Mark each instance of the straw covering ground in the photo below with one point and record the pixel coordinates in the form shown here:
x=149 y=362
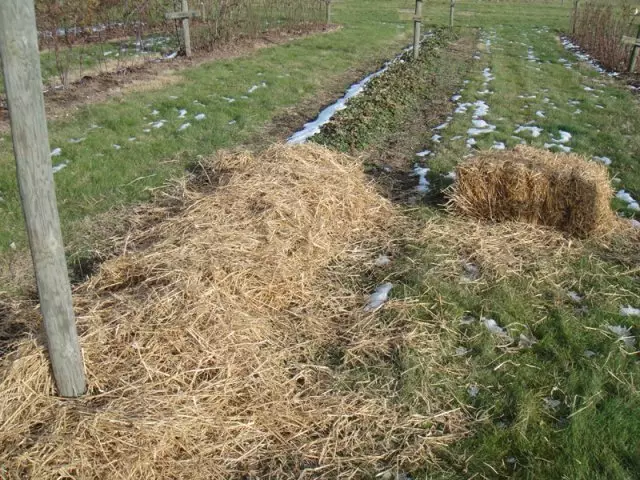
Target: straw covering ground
x=536 y=186
x=228 y=340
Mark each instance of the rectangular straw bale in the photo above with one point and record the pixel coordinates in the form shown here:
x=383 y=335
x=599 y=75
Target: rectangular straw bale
x=536 y=186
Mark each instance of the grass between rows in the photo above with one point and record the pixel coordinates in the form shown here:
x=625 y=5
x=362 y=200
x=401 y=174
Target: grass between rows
x=594 y=429
x=101 y=176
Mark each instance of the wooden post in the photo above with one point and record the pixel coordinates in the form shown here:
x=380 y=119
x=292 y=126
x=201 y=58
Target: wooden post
x=634 y=53
x=185 y=29
x=203 y=12
x=452 y=7
x=23 y=86
x=417 y=23
x=328 y=12
x=575 y=16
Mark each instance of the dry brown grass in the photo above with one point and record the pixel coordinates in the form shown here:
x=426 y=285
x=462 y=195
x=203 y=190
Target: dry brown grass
x=228 y=341
x=500 y=250
x=536 y=186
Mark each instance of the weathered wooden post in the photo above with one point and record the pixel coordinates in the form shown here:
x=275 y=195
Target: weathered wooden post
x=23 y=86
x=417 y=23
x=575 y=16
x=328 y=12
x=185 y=14
x=203 y=12
x=634 y=52
x=452 y=7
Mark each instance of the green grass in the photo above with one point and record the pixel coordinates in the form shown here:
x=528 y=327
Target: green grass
x=99 y=177
x=594 y=432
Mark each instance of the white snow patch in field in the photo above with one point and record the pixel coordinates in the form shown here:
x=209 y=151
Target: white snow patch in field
x=575 y=296
x=471 y=142
x=132 y=139
x=378 y=297
x=182 y=113
x=442 y=126
x=456 y=97
x=528 y=97
x=229 y=99
x=588 y=89
x=158 y=124
x=436 y=138
x=184 y=126
x=423 y=153
x=77 y=140
x=200 y=116
x=564 y=137
x=59 y=166
x=56 y=152
x=540 y=114
x=533 y=130
x=577 y=112
x=624 y=334
x=457 y=137
x=605 y=160
x=116 y=146
x=494 y=328
x=382 y=261
x=171 y=56
x=481 y=109
x=146 y=130
x=232 y=122
x=155 y=112
x=462 y=108
x=599 y=106
x=629 y=311
x=481 y=131
x=498 y=146
x=173 y=97
x=421 y=173
x=632 y=203
x=563 y=148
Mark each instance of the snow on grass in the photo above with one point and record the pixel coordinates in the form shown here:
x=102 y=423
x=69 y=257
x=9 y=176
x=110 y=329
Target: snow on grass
x=551 y=146
x=77 y=140
x=377 y=298
x=59 y=166
x=498 y=146
x=56 y=152
x=565 y=137
x=184 y=126
x=182 y=113
x=421 y=173
x=629 y=311
x=626 y=197
x=423 y=153
x=531 y=129
x=200 y=116
x=540 y=114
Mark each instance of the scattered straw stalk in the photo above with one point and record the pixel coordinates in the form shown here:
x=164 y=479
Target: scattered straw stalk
x=536 y=186
x=226 y=342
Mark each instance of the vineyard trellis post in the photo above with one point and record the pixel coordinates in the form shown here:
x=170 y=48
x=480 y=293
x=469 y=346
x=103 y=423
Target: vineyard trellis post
x=634 y=51
x=185 y=14
x=23 y=87
x=452 y=7
x=417 y=24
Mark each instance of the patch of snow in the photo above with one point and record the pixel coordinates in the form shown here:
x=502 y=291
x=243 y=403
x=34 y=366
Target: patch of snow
x=228 y=99
x=540 y=114
x=551 y=146
x=605 y=160
x=626 y=197
x=564 y=137
x=624 y=334
x=498 y=146
x=471 y=142
x=461 y=351
x=155 y=112
x=56 y=152
x=77 y=140
x=629 y=311
x=575 y=296
x=171 y=56
x=473 y=391
x=184 y=126
x=533 y=130
x=378 y=297
x=467 y=320
x=200 y=116
x=132 y=139
x=59 y=166
x=494 y=328
x=182 y=113
x=423 y=153
x=436 y=138
x=589 y=353
x=232 y=122
x=551 y=403
x=527 y=341
x=421 y=173
x=456 y=97
x=173 y=97
x=382 y=261
x=116 y=146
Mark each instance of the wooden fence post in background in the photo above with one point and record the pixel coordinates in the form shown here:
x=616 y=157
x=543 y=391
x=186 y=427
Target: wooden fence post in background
x=203 y=12
x=23 y=86
x=184 y=15
x=328 y=12
x=575 y=16
x=634 y=52
x=417 y=23
x=452 y=7
x=185 y=29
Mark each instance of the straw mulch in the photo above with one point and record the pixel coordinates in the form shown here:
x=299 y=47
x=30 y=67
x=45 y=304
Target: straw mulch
x=228 y=341
x=499 y=249
x=536 y=186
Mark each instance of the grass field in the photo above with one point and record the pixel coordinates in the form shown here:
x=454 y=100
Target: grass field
x=567 y=405
x=555 y=394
